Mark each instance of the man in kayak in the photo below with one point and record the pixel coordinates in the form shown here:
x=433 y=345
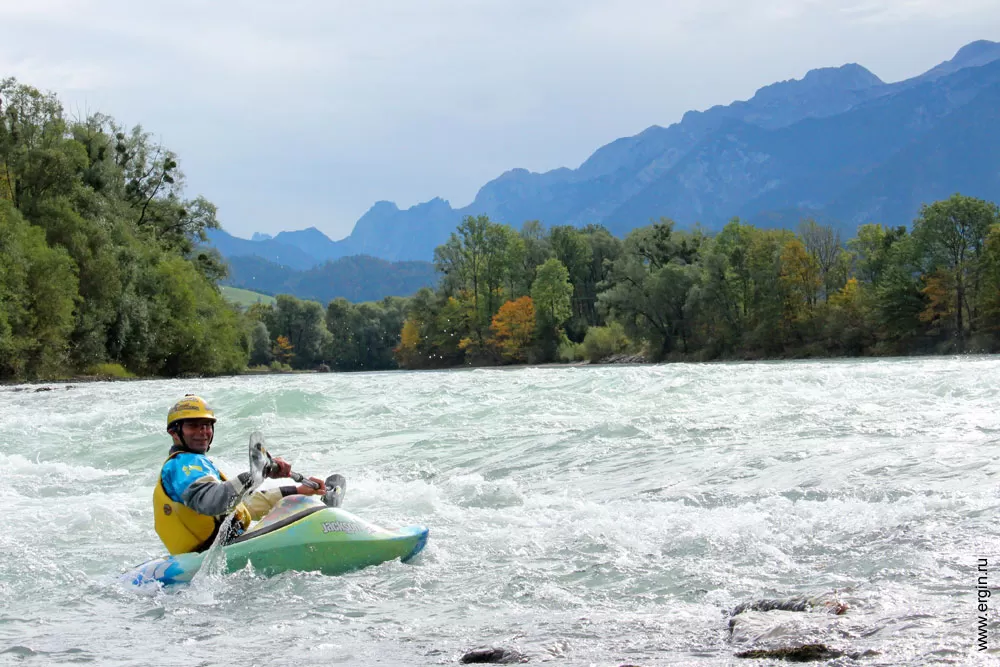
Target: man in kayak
x=192 y=498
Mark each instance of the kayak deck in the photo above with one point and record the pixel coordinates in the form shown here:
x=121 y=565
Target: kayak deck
x=299 y=534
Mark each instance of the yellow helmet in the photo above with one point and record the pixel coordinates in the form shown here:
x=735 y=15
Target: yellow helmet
x=189 y=407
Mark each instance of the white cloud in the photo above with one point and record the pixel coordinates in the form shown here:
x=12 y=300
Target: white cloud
x=394 y=99
x=64 y=75
x=898 y=11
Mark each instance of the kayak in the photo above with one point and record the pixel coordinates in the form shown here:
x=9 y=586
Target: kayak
x=301 y=533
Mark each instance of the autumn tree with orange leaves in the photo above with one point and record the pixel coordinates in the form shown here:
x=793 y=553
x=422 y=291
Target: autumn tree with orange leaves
x=283 y=349
x=514 y=328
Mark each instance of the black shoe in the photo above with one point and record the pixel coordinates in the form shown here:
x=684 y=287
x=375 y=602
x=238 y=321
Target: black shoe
x=336 y=487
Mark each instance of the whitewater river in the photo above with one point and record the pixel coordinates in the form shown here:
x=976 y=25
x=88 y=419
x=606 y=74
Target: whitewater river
x=581 y=516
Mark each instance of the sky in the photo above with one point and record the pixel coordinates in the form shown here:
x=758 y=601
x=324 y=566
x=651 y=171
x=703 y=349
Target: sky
x=304 y=113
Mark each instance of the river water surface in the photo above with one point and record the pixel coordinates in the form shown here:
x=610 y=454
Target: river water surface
x=580 y=515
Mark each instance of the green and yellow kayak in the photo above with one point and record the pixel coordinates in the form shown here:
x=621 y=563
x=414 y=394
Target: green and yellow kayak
x=301 y=534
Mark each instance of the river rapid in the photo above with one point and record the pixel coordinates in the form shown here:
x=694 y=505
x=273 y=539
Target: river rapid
x=580 y=515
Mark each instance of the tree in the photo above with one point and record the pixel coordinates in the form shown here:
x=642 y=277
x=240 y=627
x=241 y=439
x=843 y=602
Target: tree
x=537 y=249
x=604 y=249
x=116 y=253
x=951 y=236
x=648 y=287
x=260 y=345
x=990 y=312
x=572 y=247
x=408 y=351
x=303 y=324
x=37 y=294
x=823 y=244
x=192 y=329
x=800 y=275
x=514 y=327
x=283 y=350
x=479 y=260
x=551 y=293
x=848 y=329
x=725 y=295
x=37 y=159
x=899 y=298
x=870 y=250
x=365 y=336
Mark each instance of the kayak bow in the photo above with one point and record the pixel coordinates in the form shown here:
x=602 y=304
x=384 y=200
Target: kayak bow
x=302 y=534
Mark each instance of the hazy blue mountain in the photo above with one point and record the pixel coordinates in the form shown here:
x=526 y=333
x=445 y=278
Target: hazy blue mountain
x=411 y=234
x=356 y=278
x=312 y=242
x=269 y=249
x=749 y=171
x=839 y=145
x=928 y=168
x=974 y=54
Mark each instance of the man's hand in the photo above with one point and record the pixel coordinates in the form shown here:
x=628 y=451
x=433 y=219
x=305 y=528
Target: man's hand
x=307 y=490
x=278 y=468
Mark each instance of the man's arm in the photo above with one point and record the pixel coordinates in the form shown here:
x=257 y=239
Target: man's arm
x=211 y=496
x=208 y=495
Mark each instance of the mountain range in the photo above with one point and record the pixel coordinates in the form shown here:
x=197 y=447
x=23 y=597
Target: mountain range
x=838 y=145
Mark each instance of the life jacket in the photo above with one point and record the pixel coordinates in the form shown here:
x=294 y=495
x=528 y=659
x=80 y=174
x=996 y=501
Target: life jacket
x=180 y=527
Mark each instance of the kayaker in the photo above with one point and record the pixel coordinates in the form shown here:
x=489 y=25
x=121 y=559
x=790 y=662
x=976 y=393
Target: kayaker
x=192 y=497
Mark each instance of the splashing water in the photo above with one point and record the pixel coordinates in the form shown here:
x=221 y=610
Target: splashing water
x=586 y=515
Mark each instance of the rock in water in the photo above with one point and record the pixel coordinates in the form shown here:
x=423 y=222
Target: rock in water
x=495 y=655
x=796 y=603
x=803 y=653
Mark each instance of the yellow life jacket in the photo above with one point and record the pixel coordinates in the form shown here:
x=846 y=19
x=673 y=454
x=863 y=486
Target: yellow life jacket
x=180 y=527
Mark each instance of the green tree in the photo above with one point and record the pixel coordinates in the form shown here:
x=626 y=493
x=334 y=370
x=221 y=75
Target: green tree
x=551 y=293
x=832 y=261
x=37 y=293
x=537 y=249
x=870 y=250
x=899 y=300
x=260 y=345
x=365 y=336
x=303 y=323
x=479 y=260
x=648 y=287
x=37 y=158
x=604 y=250
x=572 y=247
x=951 y=237
x=725 y=295
x=197 y=332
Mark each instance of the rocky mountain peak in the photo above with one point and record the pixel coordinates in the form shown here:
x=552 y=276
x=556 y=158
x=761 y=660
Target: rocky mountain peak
x=974 y=54
x=824 y=80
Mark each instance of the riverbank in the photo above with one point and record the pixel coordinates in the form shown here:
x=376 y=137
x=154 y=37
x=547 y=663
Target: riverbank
x=616 y=359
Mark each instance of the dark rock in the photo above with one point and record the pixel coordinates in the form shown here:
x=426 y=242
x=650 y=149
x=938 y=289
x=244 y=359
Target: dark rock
x=43 y=389
x=803 y=653
x=624 y=359
x=795 y=603
x=493 y=655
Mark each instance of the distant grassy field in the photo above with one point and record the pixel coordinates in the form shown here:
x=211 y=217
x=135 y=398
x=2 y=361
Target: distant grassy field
x=244 y=297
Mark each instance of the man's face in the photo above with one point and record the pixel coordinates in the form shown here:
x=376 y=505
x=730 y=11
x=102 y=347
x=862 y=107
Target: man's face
x=198 y=434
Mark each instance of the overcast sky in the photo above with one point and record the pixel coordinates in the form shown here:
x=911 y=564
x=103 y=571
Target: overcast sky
x=305 y=112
